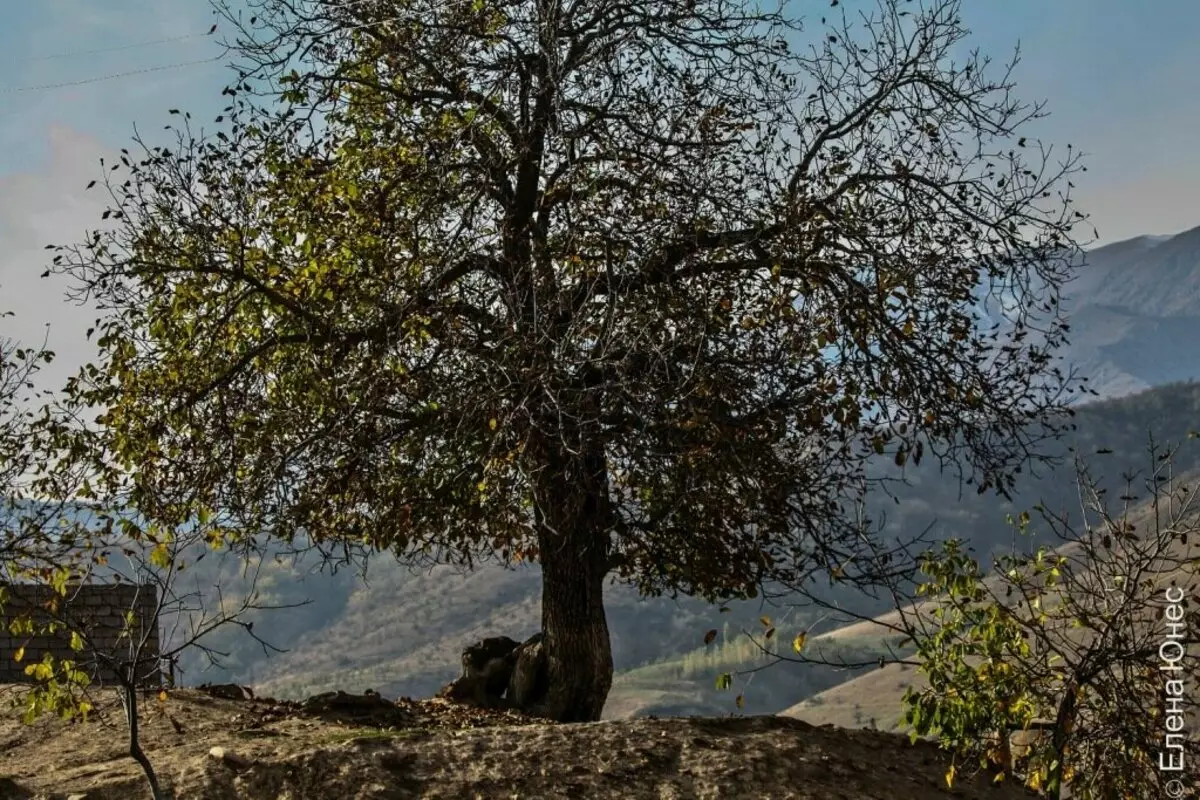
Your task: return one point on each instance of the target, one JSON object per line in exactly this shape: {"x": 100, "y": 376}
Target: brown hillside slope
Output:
{"x": 434, "y": 750}
{"x": 878, "y": 694}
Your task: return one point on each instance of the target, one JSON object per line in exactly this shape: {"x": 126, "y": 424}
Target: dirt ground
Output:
{"x": 208, "y": 747}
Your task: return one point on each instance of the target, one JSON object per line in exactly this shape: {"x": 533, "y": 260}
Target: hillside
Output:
{"x": 403, "y": 633}
{"x": 433, "y": 750}
{"x": 874, "y": 697}
{"x": 1134, "y": 310}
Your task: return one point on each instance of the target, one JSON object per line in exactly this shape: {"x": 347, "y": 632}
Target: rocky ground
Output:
{"x": 221, "y": 743}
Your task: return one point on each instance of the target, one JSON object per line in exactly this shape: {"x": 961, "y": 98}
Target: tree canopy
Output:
{"x": 631, "y": 289}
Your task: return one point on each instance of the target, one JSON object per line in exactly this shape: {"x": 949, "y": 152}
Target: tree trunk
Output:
{"x": 129, "y": 701}
{"x": 573, "y": 549}
{"x": 578, "y": 652}
{"x": 1063, "y": 724}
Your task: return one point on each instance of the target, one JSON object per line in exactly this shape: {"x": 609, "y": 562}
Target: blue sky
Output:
{"x": 48, "y": 42}
{"x": 1122, "y": 80}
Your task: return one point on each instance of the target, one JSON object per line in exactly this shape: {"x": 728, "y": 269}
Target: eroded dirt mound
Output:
{"x": 221, "y": 746}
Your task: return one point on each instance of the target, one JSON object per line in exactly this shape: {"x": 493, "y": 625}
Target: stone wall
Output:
{"x": 97, "y": 609}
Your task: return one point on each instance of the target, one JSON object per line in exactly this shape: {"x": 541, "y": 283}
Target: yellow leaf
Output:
{"x": 76, "y": 641}
{"x": 160, "y": 556}
{"x": 950, "y": 776}
{"x": 740, "y": 700}
{"x": 492, "y": 423}
{"x": 162, "y": 695}
{"x": 19, "y": 655}
{"x": 765, "y": 620}
{"x": 40, "y": 671}
{"x": 798, "y": 642}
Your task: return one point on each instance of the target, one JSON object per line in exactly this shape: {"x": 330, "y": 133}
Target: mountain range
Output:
{"x": 1134, "y": 311}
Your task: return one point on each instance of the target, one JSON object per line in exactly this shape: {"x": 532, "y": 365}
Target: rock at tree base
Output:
{"x": 490, "y": 661}
{"x": 501, "y": 673}
{"x": 487, "y": 667}
{"x": 528, "y": 685}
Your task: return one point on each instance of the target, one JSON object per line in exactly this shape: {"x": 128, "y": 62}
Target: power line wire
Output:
{"x": 113, "y": 76}
{"x": 134, "y": 46}
{"x": 179, "y": 65}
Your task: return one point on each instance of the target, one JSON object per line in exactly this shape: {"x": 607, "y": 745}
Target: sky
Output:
{"x": 1121, "y": 79}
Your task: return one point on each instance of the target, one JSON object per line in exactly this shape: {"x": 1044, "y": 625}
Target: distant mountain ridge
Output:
{"x": 1134, "y": 310}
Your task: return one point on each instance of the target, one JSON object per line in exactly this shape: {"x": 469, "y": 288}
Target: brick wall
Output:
{"x": 96, "y": 609}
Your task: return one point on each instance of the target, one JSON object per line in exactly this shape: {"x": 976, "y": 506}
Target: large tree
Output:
{"x": 631, "y": 288}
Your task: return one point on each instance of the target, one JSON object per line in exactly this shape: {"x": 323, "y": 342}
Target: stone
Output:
{"x": 227, "y": 691}
{"x": 529, "y": 682}
{"x": 483, "y": 687}
{"x": 479, "y": 660}
{"x": 459, "y": 689}
{"x": 230, "y": 759}
{"x": 488, "y": 667}
{"x": 344, "y": 701}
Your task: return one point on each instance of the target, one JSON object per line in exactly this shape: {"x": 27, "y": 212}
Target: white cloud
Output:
{"x": 47, "y": 204}
{"x": 51, "y": 139}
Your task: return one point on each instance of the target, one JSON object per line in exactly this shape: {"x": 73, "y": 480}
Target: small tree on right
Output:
{"x": 1090, "y": 640}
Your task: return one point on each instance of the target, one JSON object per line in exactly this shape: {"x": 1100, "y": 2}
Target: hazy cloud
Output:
{"x": 47, "y": 205}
